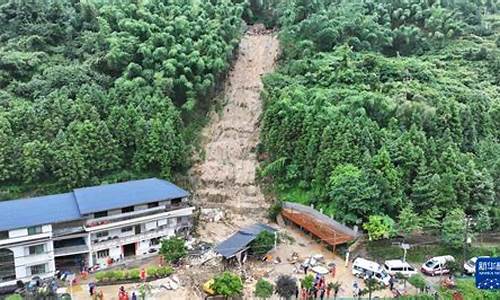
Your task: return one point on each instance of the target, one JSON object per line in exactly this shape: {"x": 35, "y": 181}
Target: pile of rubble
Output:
{"x": 171, "y": 283}
{"x": 211, "y": 215}
{"x": 259, "y": 29}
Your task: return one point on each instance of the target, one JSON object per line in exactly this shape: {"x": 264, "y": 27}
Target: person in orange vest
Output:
{"x": 122, "y": 294}
{"x": 98, "y": 295}
{"x": 143, "y": 274}
{"x": 332, "y": 270}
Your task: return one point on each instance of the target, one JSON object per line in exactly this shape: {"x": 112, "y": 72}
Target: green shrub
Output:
{"x": 14, "y": 297}
{"x": 108, "y": 275}
{"x": 275, "y": 210}
{"x": 227, "y": 284}
{"x": 263, "y": 243}
{"x": 263, "y": 289}
{"x": 118, "y": 275}
{"x": 152, "y": 271}
{"x": 165, "y": 271}
{"x": 134, "y": 274}
{"x": 308, "y": 282}
{"x": 100, "y": 276}
{"x": 417, "y": 281}
{"x": 173, "y": 249}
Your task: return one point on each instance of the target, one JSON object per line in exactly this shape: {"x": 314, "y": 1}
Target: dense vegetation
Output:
{"x": 383, "y": 106}
{"x": 90, "y": 89}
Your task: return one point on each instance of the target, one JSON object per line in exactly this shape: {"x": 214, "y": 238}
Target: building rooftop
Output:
{"x": 38, "y": 211}
{"x": 241, "y": 239}
{"x": 72, "y": 206}
{"x": 135, "y": 192}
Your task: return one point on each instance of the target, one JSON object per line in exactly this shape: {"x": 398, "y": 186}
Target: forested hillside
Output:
{"x": 381, "y": 106}
{"x": 96, "y": 88}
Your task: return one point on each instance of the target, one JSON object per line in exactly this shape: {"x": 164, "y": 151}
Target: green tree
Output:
{"x": 263, "y": 243}
{"x": 263, "y": 289}
{"x": 379, "y": 227}
{"x": 431, "y": 218}
{"x": 453, "y": 228}
{"x": 227, "y": 284}
{"x": 173, "y": 249}
{"x": 388, "y": 180}
{"x": 307, "y": 282}
{"x": 99, "y": 96}
{"x": 335, "y": 287}
{"x": 144, "y": 290}
{"x": 371, "y": 285}
{"x": 417, "y": 281}
{"x": 409, "y": 221}
{"x": 352, "y": 194}
{"x": 6, "y": 151}
{"x": 483, "y": 222}
{"x": 33, "y": 161}
{"x": 285, "y": 286}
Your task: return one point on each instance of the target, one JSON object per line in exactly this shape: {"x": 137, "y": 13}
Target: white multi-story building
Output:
{"x": 89, "y": 226}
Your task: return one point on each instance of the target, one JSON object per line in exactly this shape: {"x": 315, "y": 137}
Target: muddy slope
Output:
{"x": 225, "y": 178}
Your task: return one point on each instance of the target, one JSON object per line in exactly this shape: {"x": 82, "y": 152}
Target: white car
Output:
{"x": 365, "y": 268}
{"x": 395, "y": 266}
{"x": 437, "y": 265}
{"x": 470, "y": 265}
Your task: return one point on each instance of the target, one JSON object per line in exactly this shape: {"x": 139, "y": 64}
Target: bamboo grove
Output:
{"x": 93, "y": 88}
{"x": 386, "y": 107}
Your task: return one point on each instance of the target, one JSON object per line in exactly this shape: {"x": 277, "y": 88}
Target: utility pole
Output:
{"x": 466, "y": 238}
{"x": 405, "y": 247}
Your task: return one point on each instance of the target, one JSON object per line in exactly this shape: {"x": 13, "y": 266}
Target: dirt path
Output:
{"x": 226, "y": 177}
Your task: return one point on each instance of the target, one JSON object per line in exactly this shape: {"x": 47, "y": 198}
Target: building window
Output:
{"x": 127, "y": 209}
{"x": 127, "y": 229}
{"x": 103, "y": 253}
{"x": 102, "y": 234}
{"x": 155, "y": 241}
{"x": 7, "y": 265}
{"x": 34, "y": 230}
{"x": 101, "y": 214}
{"x": 37, "y": 249}
{"x": 38, "y": 269}
{"x": 4, "y": 235}
{"x": 179, "y": 220}
{"x": 176, "y": 201}
{"x": 153, "y": 204}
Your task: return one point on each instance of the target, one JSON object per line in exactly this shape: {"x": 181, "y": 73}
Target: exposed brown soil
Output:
{"x": 225, "y": 178}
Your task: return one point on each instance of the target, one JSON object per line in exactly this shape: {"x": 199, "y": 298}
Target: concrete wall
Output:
{"x": 15, "y": 233}
{"x": 23, "y": 261}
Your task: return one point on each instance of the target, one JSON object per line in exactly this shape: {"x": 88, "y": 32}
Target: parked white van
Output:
{"x": 394, "y": 266}
{"x": 437, "y": 265}
{"x": 364, "y": 268}
{"x": 470, "y": 265}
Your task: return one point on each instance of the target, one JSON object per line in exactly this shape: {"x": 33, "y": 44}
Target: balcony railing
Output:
{"x": 132, "y": 239}
{"x": 70, "y": 250}
{"x": 132, "y": 215}
{"x": 57, "y": 232}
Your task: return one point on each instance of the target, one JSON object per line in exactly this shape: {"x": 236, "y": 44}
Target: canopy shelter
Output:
{"x": 323, "y": 227}
{"x": 241, "y": 240}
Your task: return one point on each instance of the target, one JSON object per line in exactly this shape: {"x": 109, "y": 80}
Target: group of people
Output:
{"x": 94, "y": 293}
{"x": 123, "y": 295}
{"x": 98, "y": 294}
{"x": 319, "y": 290}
